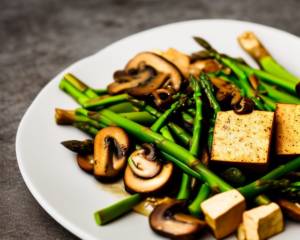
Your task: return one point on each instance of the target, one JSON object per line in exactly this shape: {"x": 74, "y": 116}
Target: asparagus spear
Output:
{"x": 271, "y": 79}
{"x": 203, "y": 194}
{"x": 144, "y": 117}
{"x": 166, "y": 133}
{"x": 184, "y": 137}
{"x": 244, "y": 82}
{"x": 253, "y": 46}
{"x": 162, "y": 119}
{"x": 90, "y": 93}
{"x": 82, "y": 147}
{"x": 208, "y": 89}
{"x": 98, "y": 103}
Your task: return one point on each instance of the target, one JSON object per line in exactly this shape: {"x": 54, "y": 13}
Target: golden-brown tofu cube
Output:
{"x": 243, "y": 138}
{"x": 287, "y": 129}
{"x": 263, "y": 222}
{"x": 224, "y": 212}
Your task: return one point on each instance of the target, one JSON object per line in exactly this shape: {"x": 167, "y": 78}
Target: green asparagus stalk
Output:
{"x": 90, "y": 93}
{"x": 244, "y": 82}
{"x": 192, "y": 111}
{"x": 269, "y": 103}
{"x": 194, "y": 208}
{"x": 194, "y": 145}
{"x": 208, "y": 89}
{"x": 98, "y": 103}
{"x": 279, "y": 96}
{"x": 166, "y": 133}
{"x": 185, "y": 190}
{"x": 262, "y": 199}
{"x": 254, "y": 47}
{"x": 163, "y": 118}
{"x": 251, "y": 189}
{"x": 270, "y": 79}
{"x": 123, "y": 107}
{"x": 142, "y": 105}
{"x": 110, "y": 213}
{"x": 100, "y": 92}
{"x": 144, "y": 117}
{"x": 183, "y": 136}
{"x": 86, "y": 127}
{"x": 76, "y": 94}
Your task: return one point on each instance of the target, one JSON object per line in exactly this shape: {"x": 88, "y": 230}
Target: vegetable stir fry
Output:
{"x": 201, "y": 140}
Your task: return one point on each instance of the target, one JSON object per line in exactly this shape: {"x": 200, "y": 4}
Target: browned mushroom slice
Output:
{"x": 124, "y": 81}
{"x": 147, "y": 87}
{"x": 245, "y": 106}
{"x": 292, "y": 210}
{"x": 151, "y": 185}
{"x": 207, "y": 65}
{"x": 143, "y": 162}
{"x": 160, "y": 65}
{"x": 86, "y": 162}
{"x": 165, "y": 221}
{"x": 110, "y": 147}
{"x": 163, "y": 96}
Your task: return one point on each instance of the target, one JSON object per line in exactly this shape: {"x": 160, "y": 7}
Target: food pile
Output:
{"x": 201, "y": 141}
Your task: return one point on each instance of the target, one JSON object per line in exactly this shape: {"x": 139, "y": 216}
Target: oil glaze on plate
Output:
{"x": 50, "y": 171}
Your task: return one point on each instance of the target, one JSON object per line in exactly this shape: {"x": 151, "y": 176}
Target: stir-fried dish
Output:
{"x": 200, "y": 140}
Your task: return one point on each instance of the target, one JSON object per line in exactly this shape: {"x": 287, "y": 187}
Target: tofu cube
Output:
{"x": 224, "y": 212}
{"x": 241, "y": 235}
{"x": 243, "y": 138}
{"x": 287, "y": 129}
{"x": 263, "y": 222}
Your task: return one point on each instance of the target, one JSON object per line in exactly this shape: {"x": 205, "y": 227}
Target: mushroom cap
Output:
{"x": 160, "y": 65}
{"x": 110, "y": 148}
{"x": 151, "y": 185}
{"x": 165, "y": 221}
{"x": 292, "y": 210}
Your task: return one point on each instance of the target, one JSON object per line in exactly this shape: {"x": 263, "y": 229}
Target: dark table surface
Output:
{"x": 38, "y": 39}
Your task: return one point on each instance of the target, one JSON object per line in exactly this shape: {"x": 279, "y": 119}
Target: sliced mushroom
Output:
{"x": 137, "y": 184}
{"x": 163, "y": 96}
{"x": 110, "y": 148}
{"x": 166, "y": 222}
{"x": 160, "y": 65}
{"x": 291, "y": 209}
{"x": 245, "y": 106}
{"x": 125, "y": 81}
{"x": 147, "y": 206}
{"x": 86, "y": 162}
{"x": 148, "y": 87}
{"x": 143, "y": 162}
{"x": 207, "y": 65}
{"x": 226, "y": 91}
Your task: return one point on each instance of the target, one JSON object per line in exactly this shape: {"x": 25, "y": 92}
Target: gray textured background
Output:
{"x": 38, "y": 39}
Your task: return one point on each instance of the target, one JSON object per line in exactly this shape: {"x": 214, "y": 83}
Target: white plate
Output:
{"x": 51, "y": 173}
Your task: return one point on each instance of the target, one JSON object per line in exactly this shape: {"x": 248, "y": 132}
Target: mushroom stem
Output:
{"x": 203, "y": 194}
{"x": 114, "y": 211}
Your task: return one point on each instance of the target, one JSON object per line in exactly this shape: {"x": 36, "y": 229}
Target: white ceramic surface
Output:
{"x": 51, "y": 173}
